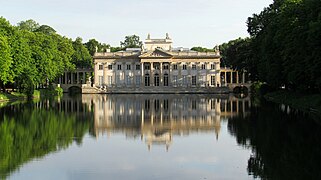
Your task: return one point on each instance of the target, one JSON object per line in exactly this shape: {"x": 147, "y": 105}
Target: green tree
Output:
{"x": 81, "y": 56}
{"x": 29, "y": 25}
{"x": 46, "y": 29}
{"x": 132, "y": 41}
{"x": 202, "y": 49}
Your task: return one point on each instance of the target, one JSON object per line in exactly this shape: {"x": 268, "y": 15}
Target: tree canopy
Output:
{"x": 284, "y": 48}
{"x": 132, "y": 41}
{"x": 32, "y": 54}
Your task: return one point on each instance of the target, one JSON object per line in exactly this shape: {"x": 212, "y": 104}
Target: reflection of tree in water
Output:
{"x": 28, "y": 132}
{"x": 284, "y": 146}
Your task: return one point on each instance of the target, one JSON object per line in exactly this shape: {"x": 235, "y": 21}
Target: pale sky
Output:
{"x": 189, "y": 22}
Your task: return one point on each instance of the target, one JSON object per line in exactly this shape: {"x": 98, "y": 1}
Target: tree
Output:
{"x": 285, "y": 46}
{"x": 202, "y": 49}
{"x": 131, "y": 42}
{"x": 81, "y": 56}
{"x": 5, "y": 59}
{"x": 29, "y": 25}
{"x": 46, "y": 29}
{"x": 238, "y": 54}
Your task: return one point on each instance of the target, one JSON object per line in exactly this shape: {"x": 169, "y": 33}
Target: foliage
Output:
{"x": 286, "y": 44}
{"x": 32, "y": 54}
{"x": 202, "y": 49}
{"x": 33, "y": 133}
{"x": 28, "y": 25}
{"x": 81, "y": 56}
{"x": 92, "y": 45}
{"x": 285, "y": 144}
{"x": 131, "y": 42}
{"x": 238, "y": 54}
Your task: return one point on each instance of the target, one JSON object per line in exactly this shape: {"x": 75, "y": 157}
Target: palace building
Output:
{"x": 157, "y": 64}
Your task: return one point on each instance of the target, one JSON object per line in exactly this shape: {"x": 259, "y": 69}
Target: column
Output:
{"x": 151, "y": 74}
{"x": 66, "y": 78}
{"x": 84, "y": 77}
{"x": 96, "y": 80}
{"x": 243, "y": 77}
{"x": 231, "y": 77}
{"x": 71, "y": 78}
{"x": 161, "y": 82}
{"x": 104, "y": 74}
{"x": 237, "y": 77}
{"x": 142, "y": 74}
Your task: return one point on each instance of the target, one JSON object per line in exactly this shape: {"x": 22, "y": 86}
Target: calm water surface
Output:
{"x": 157, "y": 137}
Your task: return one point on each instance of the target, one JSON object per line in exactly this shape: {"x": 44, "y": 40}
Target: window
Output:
{"x": 100, "y": 67}
{"x": 156, "y": 65}
{"x": 137, "y": 66}
{"x": 193, "y": 80}
{"x": 212, "y": 66}
{"x": 109, "y": 80}
{"x": 213, "y": 80}
{"x": 184, "y": 67}
{"x": 147, "y": 67}
{"x": 118, "y": 79}
{"x": 128, "y": 80}
{"x": 119, "y": 67}
{"x": 194, "y": 66}
{"x": 184, "y": 78}
{"x": 110, "y": 67}
{"x": 101, "y": 80}
{"x": 128, "y": 67}
{"x": 147, "y": 80}
{"x": 203, "y": 66}
{"x": 138, "y": 80}
{"x": 165, "y": 79}
{"x": 175, "y": 66}
{"x": 175, "y": 80}
{"x": 165, "y": 66}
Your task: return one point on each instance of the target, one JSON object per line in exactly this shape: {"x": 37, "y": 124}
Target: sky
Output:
{"x": 189, "y": 23}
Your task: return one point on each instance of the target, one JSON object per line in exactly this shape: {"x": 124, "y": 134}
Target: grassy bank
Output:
{"x": 16, "y": 96}
{"x": 304, "y": 102}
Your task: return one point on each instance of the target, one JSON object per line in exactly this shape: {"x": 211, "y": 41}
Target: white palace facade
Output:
{"x": 157, "y": 64}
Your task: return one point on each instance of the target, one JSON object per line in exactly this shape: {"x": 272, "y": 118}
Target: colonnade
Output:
{"x": 229, "y": 76}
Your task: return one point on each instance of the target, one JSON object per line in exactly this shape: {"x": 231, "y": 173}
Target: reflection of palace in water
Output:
{"x": 156, "y": 119}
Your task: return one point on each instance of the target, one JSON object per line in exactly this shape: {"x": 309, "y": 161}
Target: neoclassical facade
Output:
{"x": 157, "y": 64}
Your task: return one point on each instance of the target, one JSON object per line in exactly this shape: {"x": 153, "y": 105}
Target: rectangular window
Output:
{"x": 138, "y": 80}
{"x": 175, "y": 80}
{"x": 128, "y": 80}
{"x": 193, "y": 66}
{"x": 109, "y": 80}
{"x": 100, "y": 67}
{"x": 101, "y": 80}
{"x": 147, "y": 67}
{"x": 110, "y": 67}
{"x": 165, "y": 66}
{"x": 193, "y": 80}
{"x": 128, "y": 67}
{"x": 119, "y": 67}
{"x": 184, "y": 78}
{"x": 203, "y": 66}
{"x": 213, "y": 80}
{"x": 212, "y": 66}
{"x": 175, "y": 66}
{"x": 137, "y": 66}
{"x": 118, "y": 79}
{"x": 184, "y": 66}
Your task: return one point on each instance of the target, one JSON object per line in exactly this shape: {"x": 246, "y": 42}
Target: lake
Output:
{"x": 158, "y": 137}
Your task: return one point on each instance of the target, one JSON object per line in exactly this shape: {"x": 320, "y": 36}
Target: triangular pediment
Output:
{"x": 156, "y": 54}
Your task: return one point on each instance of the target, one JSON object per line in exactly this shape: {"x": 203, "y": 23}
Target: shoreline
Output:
{"x": 310, "y": 103}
